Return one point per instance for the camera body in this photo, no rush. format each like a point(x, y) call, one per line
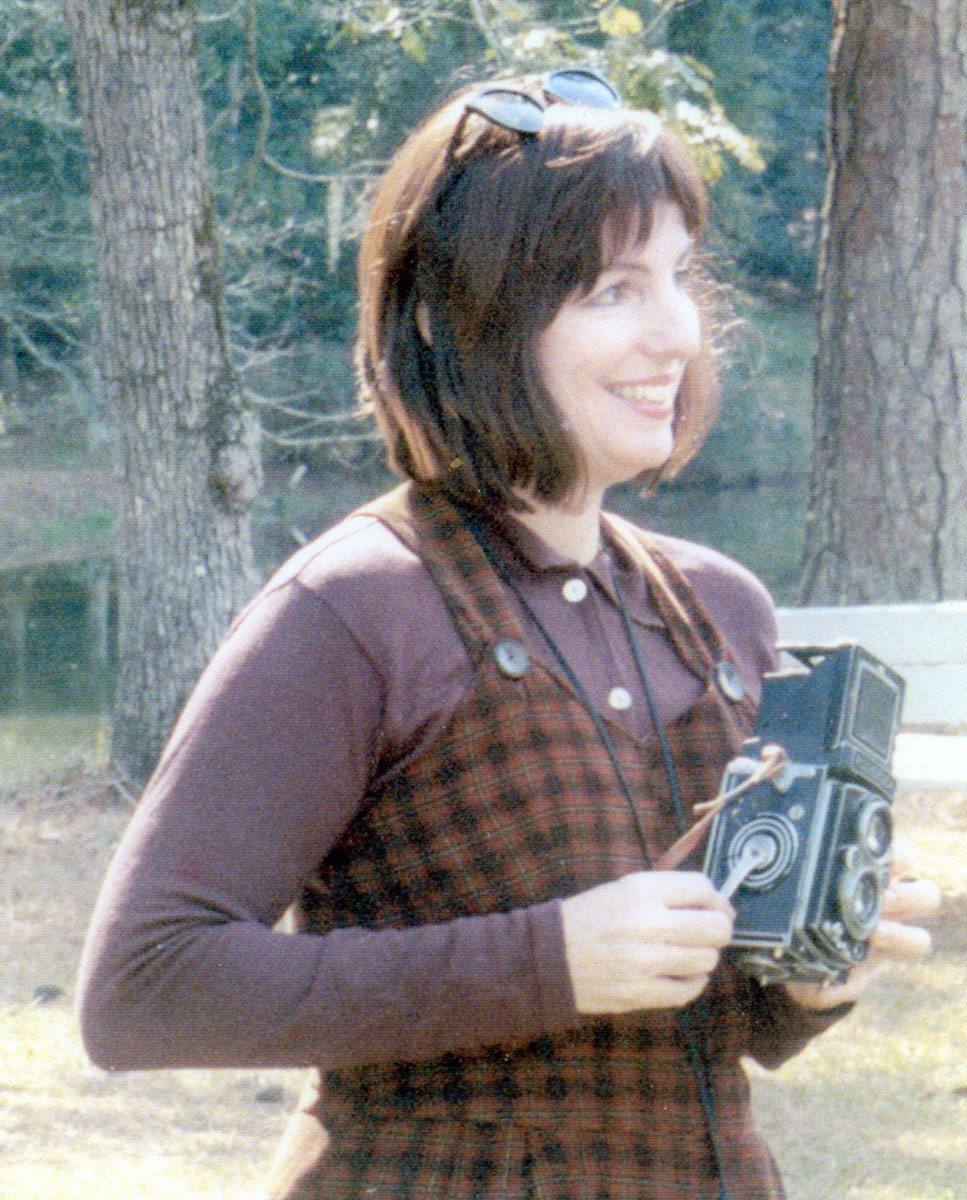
point(819, 833)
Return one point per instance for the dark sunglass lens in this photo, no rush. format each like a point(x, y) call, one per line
point(512, 110)
point(578, 85)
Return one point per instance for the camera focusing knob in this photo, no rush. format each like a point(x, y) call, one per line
point(773, 841)
point(754, 856)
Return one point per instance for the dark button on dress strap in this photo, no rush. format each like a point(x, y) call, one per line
point(512, 658)
point(730, 681)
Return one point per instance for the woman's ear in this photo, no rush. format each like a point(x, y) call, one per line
point(423, 322)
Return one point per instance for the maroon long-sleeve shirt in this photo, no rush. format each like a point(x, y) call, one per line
point(344, 666)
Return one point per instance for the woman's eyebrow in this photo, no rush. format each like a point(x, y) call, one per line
point(637, 264)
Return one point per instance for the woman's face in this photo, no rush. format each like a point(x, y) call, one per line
point(612, 359)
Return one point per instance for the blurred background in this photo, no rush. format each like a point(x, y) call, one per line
point(304, 102)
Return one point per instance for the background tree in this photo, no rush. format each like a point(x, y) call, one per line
point(189, 453)
point(888, 493)
point(302, 104)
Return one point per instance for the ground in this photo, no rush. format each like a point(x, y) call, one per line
point(875, 1110)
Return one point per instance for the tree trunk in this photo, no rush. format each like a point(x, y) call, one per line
point(189, 452)
point(888, 495)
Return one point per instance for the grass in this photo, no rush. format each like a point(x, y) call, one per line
point(68, 1129)
point(875, 1110)
point(35, 745)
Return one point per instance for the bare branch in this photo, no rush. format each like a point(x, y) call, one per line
point(272, 405)
point(362, 171)
point(490, 36)
point(265, 111)
point(310, 443)
point(229, 14)
point(41, 355)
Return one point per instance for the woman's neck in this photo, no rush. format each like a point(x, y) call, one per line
point(572, 528)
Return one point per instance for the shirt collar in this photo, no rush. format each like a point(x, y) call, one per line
point(539, 559)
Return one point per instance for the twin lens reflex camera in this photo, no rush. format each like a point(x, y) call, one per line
point(804, 856)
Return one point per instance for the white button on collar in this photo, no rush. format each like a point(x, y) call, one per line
point(619, 698)
point(574, 590)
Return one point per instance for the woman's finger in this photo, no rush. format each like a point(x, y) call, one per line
point(893, 939)
point(911, 900)
point(821, 996)
point(903, 859)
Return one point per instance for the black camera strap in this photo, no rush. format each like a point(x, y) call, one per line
point(666, 751)
point(474, 525)
point(692, 1021)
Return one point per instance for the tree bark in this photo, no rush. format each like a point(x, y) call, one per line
point(189, 450)
point(888, 495)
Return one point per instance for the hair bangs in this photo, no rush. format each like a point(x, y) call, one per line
point(609, 171)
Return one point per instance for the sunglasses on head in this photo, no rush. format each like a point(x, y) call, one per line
point(522, 113)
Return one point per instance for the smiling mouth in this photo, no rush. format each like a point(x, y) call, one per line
point(656, 398)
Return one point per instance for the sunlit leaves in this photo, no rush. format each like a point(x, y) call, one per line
point(330, 126)
point(687, 97)
point(483, 37)
point(619, 22)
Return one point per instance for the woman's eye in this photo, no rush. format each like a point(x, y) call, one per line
point(614, 293)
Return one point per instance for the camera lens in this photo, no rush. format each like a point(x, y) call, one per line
point(874, 829)
point(860, 895)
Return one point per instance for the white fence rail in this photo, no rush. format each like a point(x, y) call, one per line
point(927, 644)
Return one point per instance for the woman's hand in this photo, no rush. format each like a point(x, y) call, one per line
point(649, 940)
point(908, 898)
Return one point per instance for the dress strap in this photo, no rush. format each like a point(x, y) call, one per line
point(426, 521)
point(692, 630)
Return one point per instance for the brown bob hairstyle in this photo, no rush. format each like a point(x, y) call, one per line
point(476, 237)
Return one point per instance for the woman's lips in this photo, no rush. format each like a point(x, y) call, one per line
point(653, 397)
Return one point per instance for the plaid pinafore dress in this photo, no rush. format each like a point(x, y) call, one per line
point(516, 803)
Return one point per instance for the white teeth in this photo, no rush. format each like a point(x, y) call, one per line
point(646, 393)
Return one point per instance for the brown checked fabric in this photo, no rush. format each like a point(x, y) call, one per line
point(517, 803)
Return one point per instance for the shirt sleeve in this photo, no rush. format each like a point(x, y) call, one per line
point(185, 964)
point(781, 1027)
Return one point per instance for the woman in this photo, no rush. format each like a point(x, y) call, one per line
point(456, 731)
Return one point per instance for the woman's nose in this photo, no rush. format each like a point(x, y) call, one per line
point(671, 327)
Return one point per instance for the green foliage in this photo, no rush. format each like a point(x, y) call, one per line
point(45, 252)
point(768, 60)
point(306, 100)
